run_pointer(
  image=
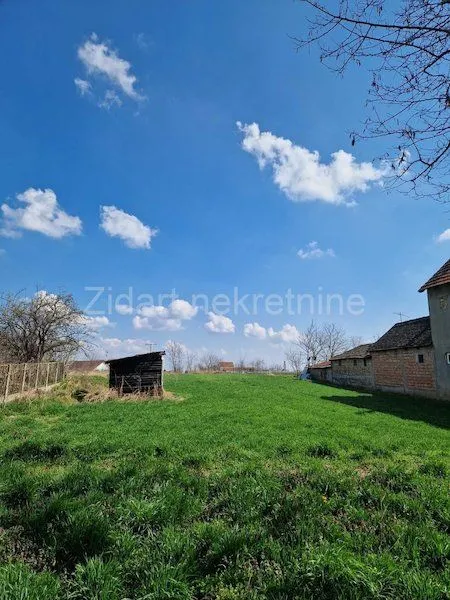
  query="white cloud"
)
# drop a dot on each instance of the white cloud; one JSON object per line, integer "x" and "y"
{"x": 312, "y": 250}
{"x": 101, "y": 60}
{"x": 219, "y": 324}
{"x": 444, "y": 237}
{"x": 287, "y": 334}
{"x": 299, "y": 173}
{"x": 181, "y": 309}
{"x": 83, "y": 86}
{"x": 124, "y": 309}
{"x": 110, "y": 99}
{"x": 162, "y": 318}
{"x": 96, "y": 322}
{"x": 255, "y": 330}
{"x": 116, "y": 347}
{"x": 143, "y": 41}
{"x": 130, "y": 229}
{"x": 41, "y": 213}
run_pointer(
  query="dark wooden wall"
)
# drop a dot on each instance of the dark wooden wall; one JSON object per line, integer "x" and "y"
{"x": 136, "y": 373}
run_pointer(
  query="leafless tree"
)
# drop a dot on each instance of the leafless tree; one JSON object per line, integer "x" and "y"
{"x": 258, "y": 364}
{"x": 355, "y": 340}
{"x": 406, "y": 46}
{"x": 209, "y": 361}
{"x": 311, "y": 344}
{"x": 334, "y": 340}
{"x": 295, "y": 358}
{"x": 44, "y": 327}
{"x": 175, "y": 352}
{"x": 240, "y": 364}
{"x": 190, "y": 358}
{"x": 318, "y": 343}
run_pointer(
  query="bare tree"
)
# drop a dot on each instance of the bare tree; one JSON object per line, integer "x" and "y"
{"x": 334, "y": 340}
{"x": 209, "y": 361}
{"x": 175, "y": 352}
{"x": 190, "y": 358}
{"x": 240, "y": 364}
{"x": 295, "y": 358}
{"x": 258, "y": 364}
{"x": 44, "y": 327}
{"x": 406, "y": 46}
{"x": 355, "y": 340}
{"x": 311, "y": 344}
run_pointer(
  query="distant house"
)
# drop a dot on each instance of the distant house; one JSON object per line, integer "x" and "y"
{"x": 413, "y": 357}
{"x": 353, "y": 367}
{"x": 321, "y": 371}
{"x": 403, "y": 359}
{"x": 135, "y": 374}
{"x": 87, "y": 366}
{"x": 226, "y": 367}
{"x": 438, "y": 291}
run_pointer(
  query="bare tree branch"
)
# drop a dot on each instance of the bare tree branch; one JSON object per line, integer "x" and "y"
{"x": 406, "y": 47}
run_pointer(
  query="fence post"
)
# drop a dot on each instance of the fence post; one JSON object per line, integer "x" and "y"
{"x": 36, "y": 383}
{"x": 24, "y": 376}
{"x": 8, "y": 377}
{"x": 48, "y": 372}
{"x": 56, "y": 372}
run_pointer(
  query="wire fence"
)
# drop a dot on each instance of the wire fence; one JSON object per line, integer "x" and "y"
{"x": 18, "y": 378}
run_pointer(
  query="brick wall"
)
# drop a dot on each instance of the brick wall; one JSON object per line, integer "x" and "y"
{"x": 400, "y": 371}
{"x": 352, "y": 372}
{"x": 320, "y": 374}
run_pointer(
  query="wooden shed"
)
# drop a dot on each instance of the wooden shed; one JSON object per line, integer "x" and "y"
{"x": 135, "y": 374}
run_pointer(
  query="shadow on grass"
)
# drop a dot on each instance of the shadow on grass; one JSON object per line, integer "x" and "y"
{"x": 434, "y": 412}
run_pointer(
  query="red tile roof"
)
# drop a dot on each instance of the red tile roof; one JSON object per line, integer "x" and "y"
{"x": 441, "y": 277}
{"x": 321, "y": 365}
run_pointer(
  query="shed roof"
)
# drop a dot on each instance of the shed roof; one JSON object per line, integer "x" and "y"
{"x": 147, "y": 355}
{"x": 441, "y": 277}
{"x": 325, "y": 364}
{"x": 409, "y": 334}
{"x": 361, "y": 351}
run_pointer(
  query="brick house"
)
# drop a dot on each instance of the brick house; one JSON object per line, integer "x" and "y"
{"x": 226, "y": 367}
{"x": 353, "y": 368}
{"x": 403, "y": 359}
{"x": 321, "y": 371}
{"x": 413, "y": 357}
{"x": 438, "y": 292}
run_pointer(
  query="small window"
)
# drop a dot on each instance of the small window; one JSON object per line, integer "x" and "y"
{"x": 355, "y": 362}
{"x": 365, "y": 362}
{"x": 420, "y": 358}
{"x": 448, "y": 358}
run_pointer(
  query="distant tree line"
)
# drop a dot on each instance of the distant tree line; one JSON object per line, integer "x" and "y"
{"x": 316, "y": 343}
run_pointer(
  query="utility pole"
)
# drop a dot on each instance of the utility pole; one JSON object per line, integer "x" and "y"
{"x": 150, "y": 346}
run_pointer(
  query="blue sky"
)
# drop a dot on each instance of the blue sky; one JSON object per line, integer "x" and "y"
{"x": 156, "y": 137}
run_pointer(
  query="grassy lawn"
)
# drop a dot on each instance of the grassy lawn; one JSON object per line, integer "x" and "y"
{"x": 244, "y": 487}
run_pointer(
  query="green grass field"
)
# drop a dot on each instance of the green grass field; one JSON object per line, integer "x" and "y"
{"x": 243, "y": 487}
